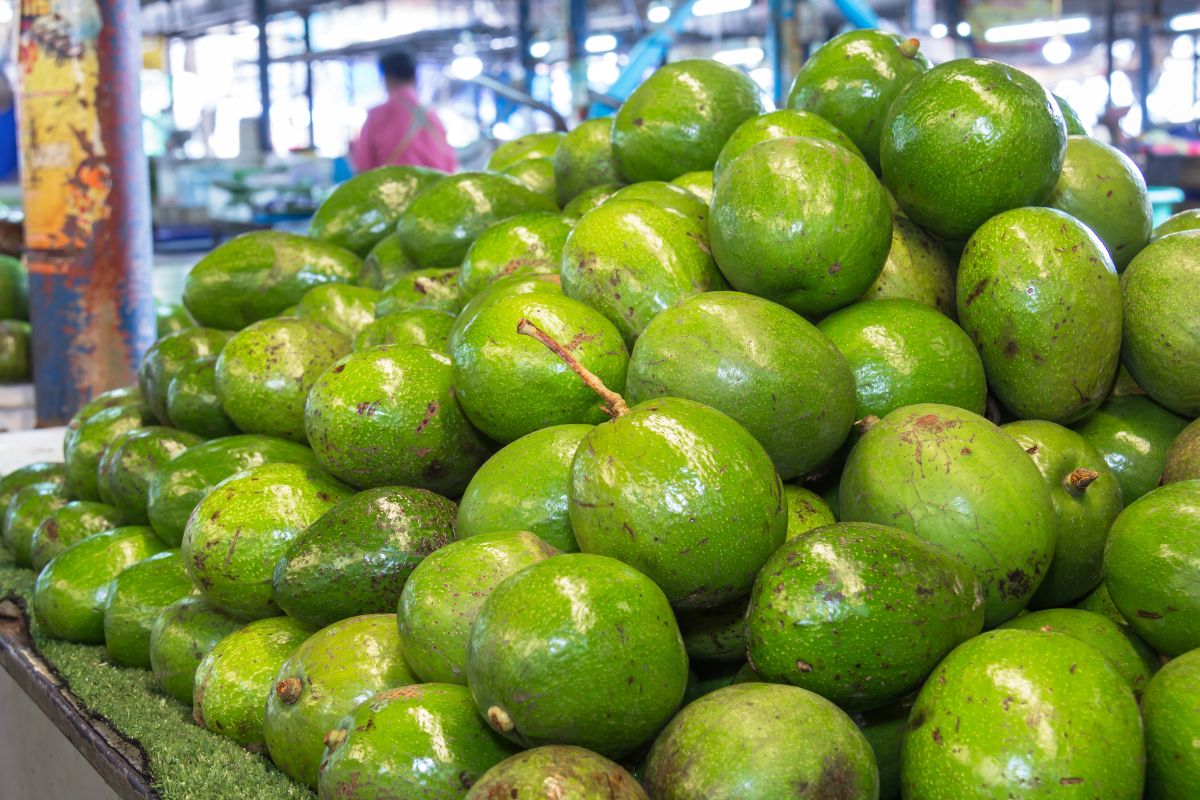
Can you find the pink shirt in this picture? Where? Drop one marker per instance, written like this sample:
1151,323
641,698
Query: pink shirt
390,125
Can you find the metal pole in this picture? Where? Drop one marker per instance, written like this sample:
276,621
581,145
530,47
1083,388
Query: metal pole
1144,61
264,76
524,40
577,31
87,199
1110,36
309,90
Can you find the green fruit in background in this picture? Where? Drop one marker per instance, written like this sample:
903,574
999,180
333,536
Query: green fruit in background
859,613
1152,567
165,358
243,527
136,598
1161,345
904,352
853,78
679,118
779,125
421,327
443,220
322,681
123,396
259,274
917,268
699,183
523,487
172,317
355,558
342,308
67,525
1039,296
31,505
1102,188
445,592
525,244
1169,711
181,636
666,195
1183,459
962,484
761,740
510,384
1001,717
714,634
543,144
1075,126
424,741
235,677
1133,659
584,159
83,451
631,259
1086,499
763,365
705,544
130,462
557,771
192,401
1099,601
505,287
968,139
435,289
15,361
884,730
1133,434
535,174
387,416
365,209
806,511
14,289
384,264
265,372
70,593
592,633
19,478
801,221
1188,220
589,199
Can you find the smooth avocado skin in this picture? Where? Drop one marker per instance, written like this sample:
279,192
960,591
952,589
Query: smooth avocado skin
355,558
960,483
340,307
364,209
259,274
25,513
14,289
535,174
917,268
234,678
422,327
1170,707
322,681
524,487
779,125
15,359
65,526
584,159
436,288
19,478
800,221
608,649
968,139
443,596
524,244
758,362
192,401
1100,602
1040,298
515,284
1086,498
1183,459
70,593
180,636
589,199
557,771
974,714
1075,126
543,144
1133,434
699,183
136,598
806,510
761,740
667,195
130,462
1186,220
1152,567
859,613
705,547
384,264
164,358
82,451
171,317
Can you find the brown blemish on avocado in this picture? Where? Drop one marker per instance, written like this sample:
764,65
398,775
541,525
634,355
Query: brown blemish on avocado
1011,348
1144,614
1014,584
976,290
431,411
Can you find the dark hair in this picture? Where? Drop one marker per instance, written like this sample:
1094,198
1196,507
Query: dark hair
398,65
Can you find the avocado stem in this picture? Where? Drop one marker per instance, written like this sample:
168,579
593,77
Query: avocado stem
334,738
614,405
500,719
865,424
289,690
910,47
1080,479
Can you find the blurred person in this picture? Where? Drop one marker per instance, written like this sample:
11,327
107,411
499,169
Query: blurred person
401,131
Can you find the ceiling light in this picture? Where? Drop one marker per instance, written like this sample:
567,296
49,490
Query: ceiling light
1184,22
704,8
963,28
1057,50
938,31
740,56
658,13
539,49
1041,29
466,67
600,43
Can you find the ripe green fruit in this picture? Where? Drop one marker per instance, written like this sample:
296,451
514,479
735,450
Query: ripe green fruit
917,268
699,183
166,356
421,327
365,209
14,289
531,145
180,638
19,478
15,360
192,401
516,284
1075,126
171,317
1188,220
435,289
535,174
589,199
779,125
384,264
526,244
584,159
806,511
884,730
1099,601
28,509
1173,730
1183,459
136,598
802,222
666,195
82,452
1133,434
65,526
557,771
340,307
130,462
714,634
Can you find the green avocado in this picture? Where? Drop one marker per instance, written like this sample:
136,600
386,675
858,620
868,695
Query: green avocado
192,401
244,526
917,268
445,592
164,359
259,274
806,511
801,221
1152,567
19,478
265,372
589,631
584,159
15,361
968,139
1039,296
71,592
1075,126
435,289
884,730
666,195
65,526
543,144
523,487
181,636
340,307
130,462
387,416
705,678
322,681
421,327
535,174
761,740
1086,499
26,512
758,362
1183,459
14,289
134,602
554,772
514,284
962,484
365,209
384,264
524,244
1001,717
714,634
699,183
356,557
82,452
852,79
1133,434
679,118
1100,602
171,318
1188,220
1169,707
123,396
589,199
859,613
236,675
779,125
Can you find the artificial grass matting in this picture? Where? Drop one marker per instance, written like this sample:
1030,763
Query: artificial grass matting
186,761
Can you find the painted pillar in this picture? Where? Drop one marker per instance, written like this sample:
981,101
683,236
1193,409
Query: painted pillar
87,199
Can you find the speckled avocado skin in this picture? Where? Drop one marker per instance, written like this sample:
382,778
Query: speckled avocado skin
64,527
584,159
125,395
542,144
423,327
1171,711
1187,220
192,401
356,557
666,195
1018,698
778,125
1133,435
589,199
335,669
363,210
164,359
917,268
536,175
435,288
761,740
699,183
515,284
27,510
339,307
557,771
384,264
960,483
1183,459
806,510
82,451
524,244
180,637
135,600
19,478
130,462
1039,295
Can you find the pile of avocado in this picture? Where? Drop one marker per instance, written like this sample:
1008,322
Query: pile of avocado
16,360
845,451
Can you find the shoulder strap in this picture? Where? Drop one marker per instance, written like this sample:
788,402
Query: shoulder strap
419,122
